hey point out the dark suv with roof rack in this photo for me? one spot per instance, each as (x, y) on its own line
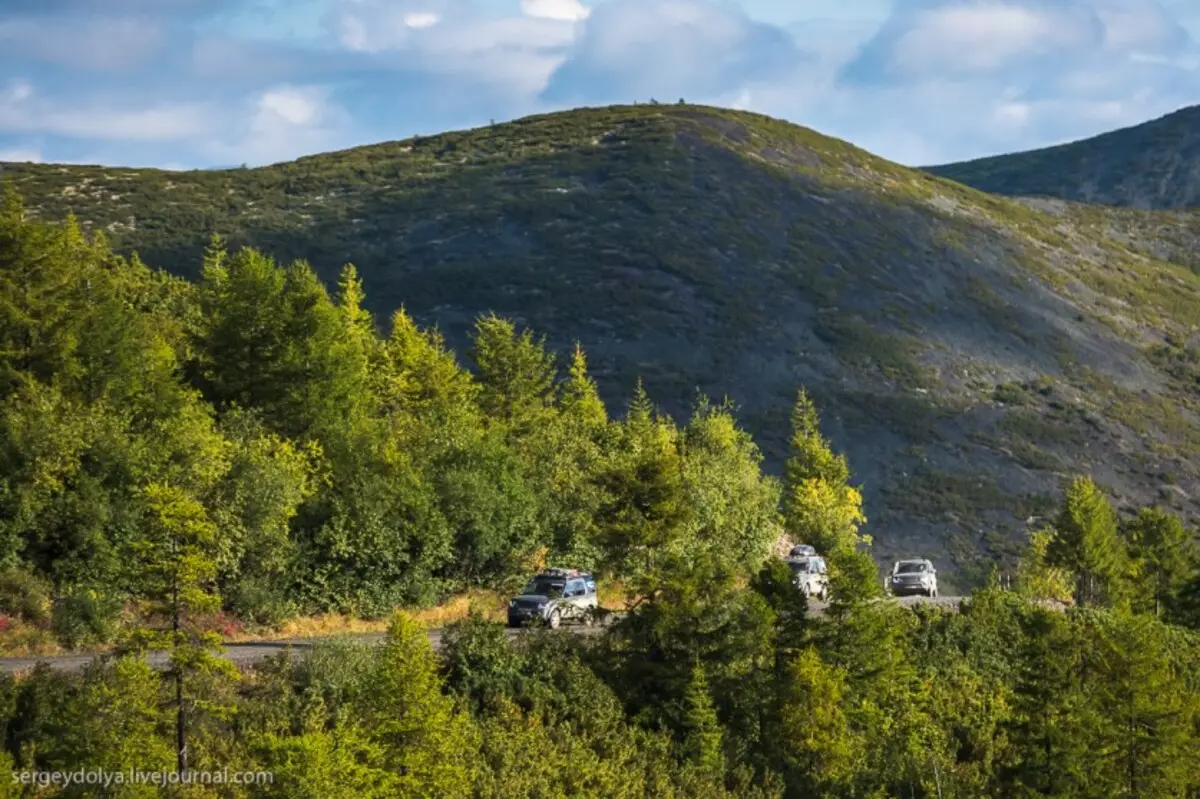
(555, 596)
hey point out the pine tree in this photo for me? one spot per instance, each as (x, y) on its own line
(516, 374)
(639, 419)
(1165, 551)
(702, 733)
(173, 569)
(820, 506)
(579, 398)
(429, 744)
(1086, 543)
(1146, 739)
(817, 742)
(1035, 577)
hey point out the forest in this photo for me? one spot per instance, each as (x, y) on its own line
(252, 446)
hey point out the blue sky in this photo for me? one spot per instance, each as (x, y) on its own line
(200, 83)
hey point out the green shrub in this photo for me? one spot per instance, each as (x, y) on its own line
(85, 617)
(25, 596)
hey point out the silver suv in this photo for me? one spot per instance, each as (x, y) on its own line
(810, 575)
(913, 577)
(554, 596)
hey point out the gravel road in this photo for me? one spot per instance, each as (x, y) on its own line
(246, 654)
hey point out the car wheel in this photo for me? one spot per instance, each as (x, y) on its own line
(555, 620)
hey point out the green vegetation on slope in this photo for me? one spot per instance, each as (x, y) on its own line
(711, 250)
(1151, 165)
(252, 444)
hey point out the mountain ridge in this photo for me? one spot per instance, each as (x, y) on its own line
(968, 351)
(1151, 165)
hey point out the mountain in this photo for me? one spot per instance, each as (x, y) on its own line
(1152, 165)
(967, 351)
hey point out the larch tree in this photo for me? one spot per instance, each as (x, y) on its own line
(823, 509)
(1086, 543)
(1165, 552)
(174, 571)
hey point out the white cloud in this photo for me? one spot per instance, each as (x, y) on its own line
(566, 10)
(984, 36)
(1140, 26)
(631, 49)
(421, 19)
(935, 81)
(21, 113)
(282, 123)
(290, 105)
(372, 26)
(18, 92)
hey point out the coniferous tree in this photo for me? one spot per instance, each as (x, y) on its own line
(516, 375)
(174, 570)
(1145, 734)
(821, 508)
(1165, 552)
(1035, 577)
(644, 516)
(1086, 543)
(429, 743)
(702, 733)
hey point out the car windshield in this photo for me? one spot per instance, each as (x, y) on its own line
(543, 586)
(800, 567)
(911, 567)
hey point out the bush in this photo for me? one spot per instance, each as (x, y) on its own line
(85, 617)
(25, 596)
(261, 602)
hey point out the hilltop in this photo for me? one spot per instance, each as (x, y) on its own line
(967, 351)
(1154, 165)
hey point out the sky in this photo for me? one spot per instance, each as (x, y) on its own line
(183, 84)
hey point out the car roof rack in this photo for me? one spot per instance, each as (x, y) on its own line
(557, 572)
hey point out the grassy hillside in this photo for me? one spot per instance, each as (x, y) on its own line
(968, 351)
(1152, 165)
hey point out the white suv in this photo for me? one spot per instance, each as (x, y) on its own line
(555, 596)
(913, 577)
(810, 575)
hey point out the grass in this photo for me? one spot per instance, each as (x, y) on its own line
(23, 640)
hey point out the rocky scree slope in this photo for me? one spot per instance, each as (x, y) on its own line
(1154, 165)
(968, 352)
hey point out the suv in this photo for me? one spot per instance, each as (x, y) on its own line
(913, 577)
(554, 596)
(810, 575)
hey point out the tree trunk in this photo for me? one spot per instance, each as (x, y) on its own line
(180, 712)
(180, 725)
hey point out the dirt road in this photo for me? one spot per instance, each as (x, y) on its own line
(246, 654)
